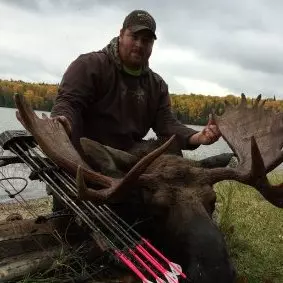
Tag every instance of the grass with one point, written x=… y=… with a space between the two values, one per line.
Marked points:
x=28 y=209
x=253 y=229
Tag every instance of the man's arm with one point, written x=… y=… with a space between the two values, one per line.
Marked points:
x=74 y=94
x=166 y=125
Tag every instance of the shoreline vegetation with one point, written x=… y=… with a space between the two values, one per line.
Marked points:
x=252 y=228
x=192 y=109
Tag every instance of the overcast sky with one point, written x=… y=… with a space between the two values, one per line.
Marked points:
x=210 y=47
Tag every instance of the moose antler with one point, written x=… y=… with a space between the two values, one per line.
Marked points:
x=255 y=135
x=119 y=189
x=55 y=143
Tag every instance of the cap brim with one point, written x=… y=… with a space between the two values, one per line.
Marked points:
x=139 y=28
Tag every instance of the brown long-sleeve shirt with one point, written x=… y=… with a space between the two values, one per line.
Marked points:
x=106 y=104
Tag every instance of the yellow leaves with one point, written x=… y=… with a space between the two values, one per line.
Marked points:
x=196 y=108
x=192 y=108
x=39 y=95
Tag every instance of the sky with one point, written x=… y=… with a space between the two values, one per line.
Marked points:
x=205 y=47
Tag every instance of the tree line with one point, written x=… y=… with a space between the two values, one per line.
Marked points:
x=40 y=95
x=195 y=109
x=191 y=108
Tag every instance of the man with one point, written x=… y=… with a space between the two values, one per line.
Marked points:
x=113 y=97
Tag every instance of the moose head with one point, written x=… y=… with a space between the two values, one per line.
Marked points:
x=173 y=195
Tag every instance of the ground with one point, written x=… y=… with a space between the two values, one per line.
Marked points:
x=28 y=209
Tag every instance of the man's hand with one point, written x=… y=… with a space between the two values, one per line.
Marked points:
x=62 y=119
x=65 y=122
x=209 y=135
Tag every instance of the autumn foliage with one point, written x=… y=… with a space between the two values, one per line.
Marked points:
x=188 y=108
x=40 y=95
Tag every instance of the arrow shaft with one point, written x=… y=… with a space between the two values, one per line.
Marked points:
x=144 y=264
x=124 y=259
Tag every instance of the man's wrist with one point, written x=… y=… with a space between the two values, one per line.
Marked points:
x=194 y=139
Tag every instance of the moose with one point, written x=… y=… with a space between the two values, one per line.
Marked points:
x=171 y=194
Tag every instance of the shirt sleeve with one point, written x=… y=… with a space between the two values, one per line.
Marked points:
x=75 y=91
x=166 y=124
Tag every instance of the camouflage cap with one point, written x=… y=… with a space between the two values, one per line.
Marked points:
x=139 y=20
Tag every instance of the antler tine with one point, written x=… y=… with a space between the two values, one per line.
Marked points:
x=118 y=187
x=243 y=102
x=255 y=104
x=24 y=114
x=258 y=178
x=261 y=105
x=85 y=193
x=257 y=165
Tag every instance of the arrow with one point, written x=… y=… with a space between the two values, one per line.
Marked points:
x=175 y=268
x=124 y=259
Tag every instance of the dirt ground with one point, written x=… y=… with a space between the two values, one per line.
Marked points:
x=27 y=209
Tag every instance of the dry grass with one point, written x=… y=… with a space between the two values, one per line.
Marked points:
x=28 y=209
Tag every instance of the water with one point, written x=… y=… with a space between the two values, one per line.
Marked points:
x=9 y=121
x=36 y=189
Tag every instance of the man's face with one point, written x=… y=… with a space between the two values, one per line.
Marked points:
x=135 y=48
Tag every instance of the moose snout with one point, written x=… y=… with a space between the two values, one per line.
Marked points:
x=201 y=251
x=208 y=259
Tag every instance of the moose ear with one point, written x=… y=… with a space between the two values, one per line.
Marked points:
x=106 y=158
